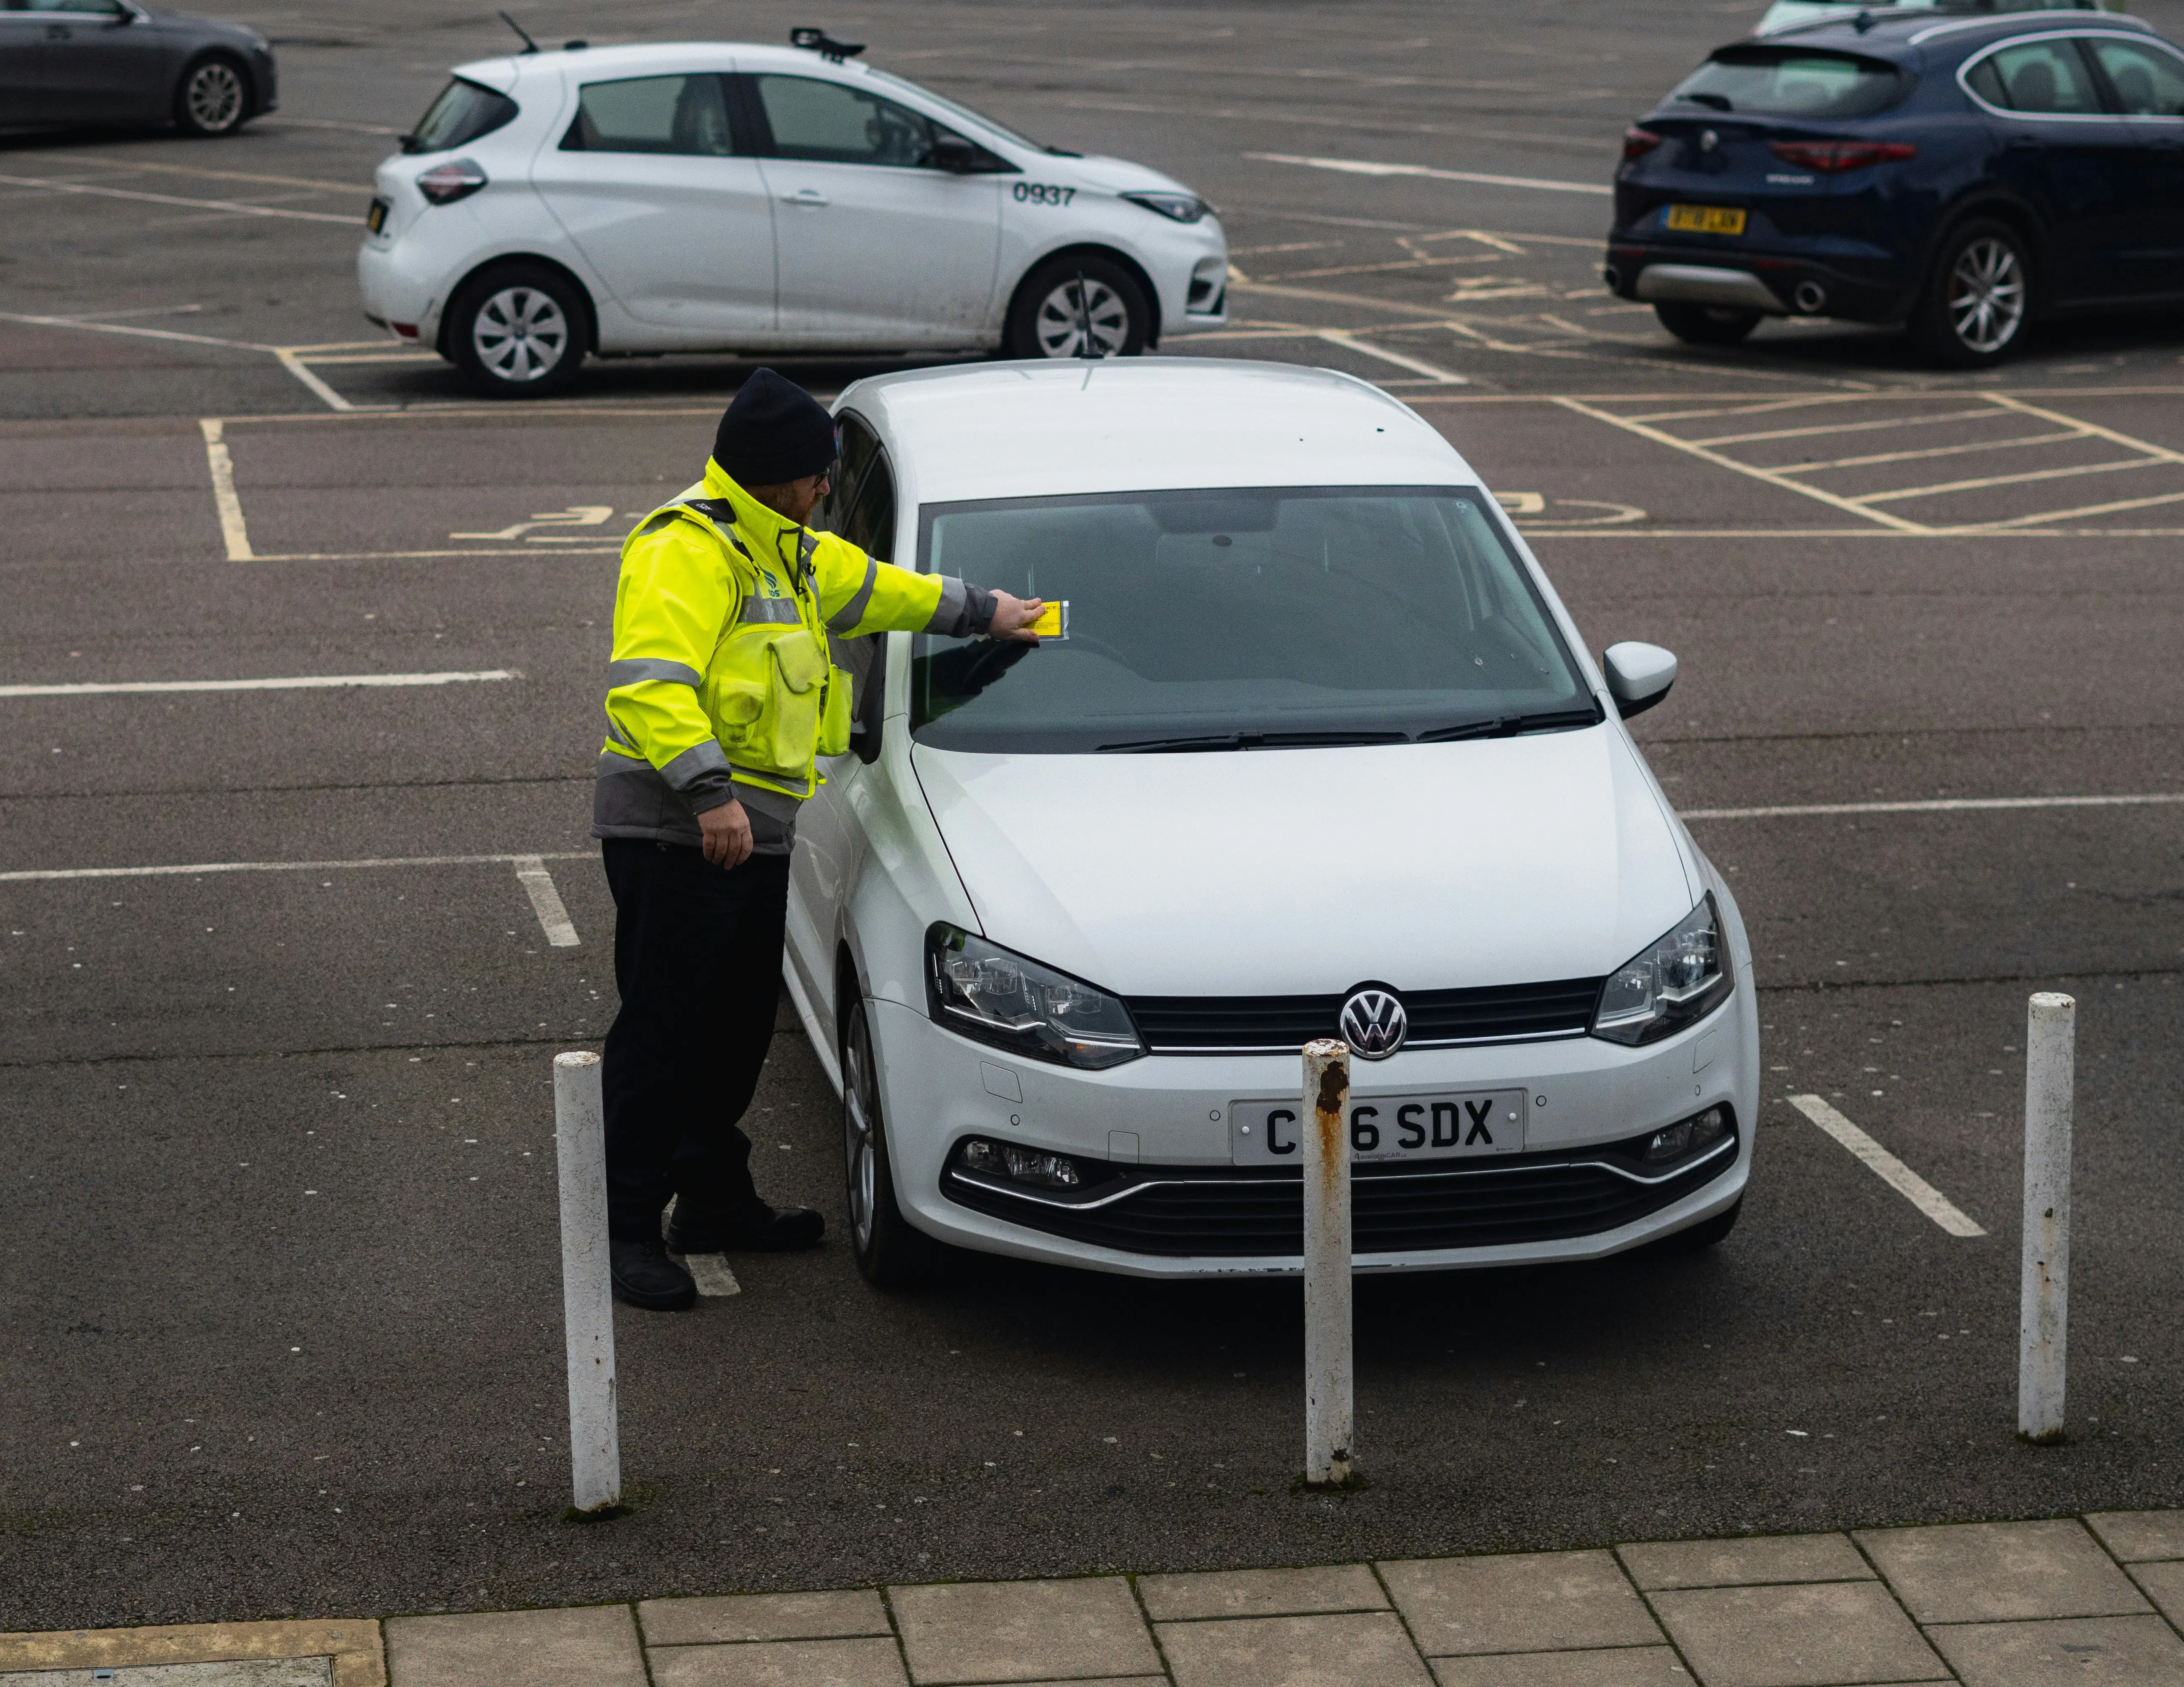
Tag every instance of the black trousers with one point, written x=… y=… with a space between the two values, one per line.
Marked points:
x=697 y=953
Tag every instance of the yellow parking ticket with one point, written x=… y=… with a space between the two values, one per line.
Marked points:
x=1053 y=621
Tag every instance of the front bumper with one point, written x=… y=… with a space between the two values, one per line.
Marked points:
x=1162 y=1121
x=1773 y=284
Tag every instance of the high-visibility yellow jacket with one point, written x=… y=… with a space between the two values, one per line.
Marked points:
x=722 y=682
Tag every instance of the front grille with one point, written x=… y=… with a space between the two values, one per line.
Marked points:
x=1438 y=1019
x=1220 y=1211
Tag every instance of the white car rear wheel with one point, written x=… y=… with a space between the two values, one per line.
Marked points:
x=518 y=333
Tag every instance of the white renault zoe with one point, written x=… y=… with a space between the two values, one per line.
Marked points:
x=713 y=196
x=1319 y=753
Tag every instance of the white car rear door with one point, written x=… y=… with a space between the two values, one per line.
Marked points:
x=876 y=247
x=670 y=213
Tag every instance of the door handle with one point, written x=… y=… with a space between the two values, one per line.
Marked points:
x=805 y=196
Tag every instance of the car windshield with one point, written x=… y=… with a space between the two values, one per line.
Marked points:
x=1243 y=620
x=1789 y=82
x=463 y=112
x=958 y=109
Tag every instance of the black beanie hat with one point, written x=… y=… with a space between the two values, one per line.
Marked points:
x=774 y=431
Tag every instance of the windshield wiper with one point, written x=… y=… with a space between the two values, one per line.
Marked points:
x=1255 y=741
x=1509 y=725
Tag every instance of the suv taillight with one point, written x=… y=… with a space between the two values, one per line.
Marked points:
x=1637 y=143
x=1832 y=158
x=445 y=183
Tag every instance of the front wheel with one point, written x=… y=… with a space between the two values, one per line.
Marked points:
x=213 y=98
x=518 y=332
x=1064 y=297
x=1707 y=325
x=1978 y=296
x=891 y=1253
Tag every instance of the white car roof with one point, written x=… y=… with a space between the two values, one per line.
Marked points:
x=650 y=58
x=1026 y=430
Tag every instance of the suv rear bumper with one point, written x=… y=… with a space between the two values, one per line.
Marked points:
x=1783 y=285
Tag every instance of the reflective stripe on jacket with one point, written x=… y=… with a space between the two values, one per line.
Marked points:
x=722 y=682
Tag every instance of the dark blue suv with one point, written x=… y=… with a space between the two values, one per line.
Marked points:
x=1958 y=176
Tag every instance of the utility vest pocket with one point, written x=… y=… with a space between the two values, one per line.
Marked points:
x=834 y=718
x=771 y=710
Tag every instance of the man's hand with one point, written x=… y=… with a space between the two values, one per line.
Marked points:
x=1013 y=615
x=728 y=841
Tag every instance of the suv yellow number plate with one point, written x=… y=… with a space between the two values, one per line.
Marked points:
x=1706 y=220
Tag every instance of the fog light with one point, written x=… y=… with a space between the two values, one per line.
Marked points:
x=1687 y=1137
x=1020 y=1165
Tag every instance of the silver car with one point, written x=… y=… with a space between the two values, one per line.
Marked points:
x=115 y=62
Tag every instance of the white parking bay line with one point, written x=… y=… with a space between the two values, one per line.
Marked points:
x=1887 y=1167
x=1937 y=805
x=1368 y=167
x=711 y=1274
x=233 y=207
x=1350 y=342
x=301 y=682
x=196 y=869
x=546 y=902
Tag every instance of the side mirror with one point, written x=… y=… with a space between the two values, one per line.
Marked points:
x=956 y=155
x=1639 y=676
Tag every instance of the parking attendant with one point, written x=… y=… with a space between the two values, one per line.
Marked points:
x=700 y=196
x=1318 y=750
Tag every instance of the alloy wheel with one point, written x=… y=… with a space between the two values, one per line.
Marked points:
x=213 y=97
x=521 y=334
x=1059 y=325
x=1987 y=295
x=859 y=1108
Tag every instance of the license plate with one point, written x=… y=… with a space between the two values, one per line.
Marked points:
x=1464 y=1124
x=375 y=218
x=1706 y=220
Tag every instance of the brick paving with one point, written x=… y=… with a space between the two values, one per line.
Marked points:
x=2092 y=1601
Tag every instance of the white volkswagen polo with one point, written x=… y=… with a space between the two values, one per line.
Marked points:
x=713 y=197
x=1318 y=752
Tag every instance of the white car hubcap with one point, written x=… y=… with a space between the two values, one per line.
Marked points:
x=520 y=334
x=216 y=96
x=1059 y=327
x=1987 y=295
x=859 y=1106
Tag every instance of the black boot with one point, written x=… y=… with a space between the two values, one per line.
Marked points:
x=644 y=1276
x=758 y=1229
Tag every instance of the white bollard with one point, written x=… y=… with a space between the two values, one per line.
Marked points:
x=2044 y=1310
x=1329 y=1415
x=586 y=1287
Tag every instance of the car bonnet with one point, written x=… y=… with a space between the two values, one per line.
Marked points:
x=1422 y=867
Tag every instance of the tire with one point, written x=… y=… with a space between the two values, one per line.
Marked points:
x=1707 y=325
x=1978 y=296
x=213 y=98
x=890 y=1251
x=1704 y=1234
x=1044 y=319
x=519 y=332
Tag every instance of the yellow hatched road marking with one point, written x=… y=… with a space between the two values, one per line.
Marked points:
x=1770 y=477
x=1930 y=451
x=1981 y=415
x=1941 y=487
x=1753 y=409
x=2011 y=402
x=2027 y=521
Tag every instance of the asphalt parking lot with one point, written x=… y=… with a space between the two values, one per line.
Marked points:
x=281 y=1298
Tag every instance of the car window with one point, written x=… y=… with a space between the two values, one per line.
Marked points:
x=2041 y=78
x=679 y=114
x=1389 y=613
x=870 y=528
x=2150 y=81
x=870 y=525
x=463 y=112
x=103 y=9
x=858 y=445
x=1788 y=82
x=827 y=122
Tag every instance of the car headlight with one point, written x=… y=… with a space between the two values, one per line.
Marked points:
x=1668 y=984
x=1181 y=208
x=984 y=991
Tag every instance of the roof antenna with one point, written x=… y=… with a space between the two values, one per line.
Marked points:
x=529 y=45
x=1086 y=347
x=819 y=42
x=1862 y=22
